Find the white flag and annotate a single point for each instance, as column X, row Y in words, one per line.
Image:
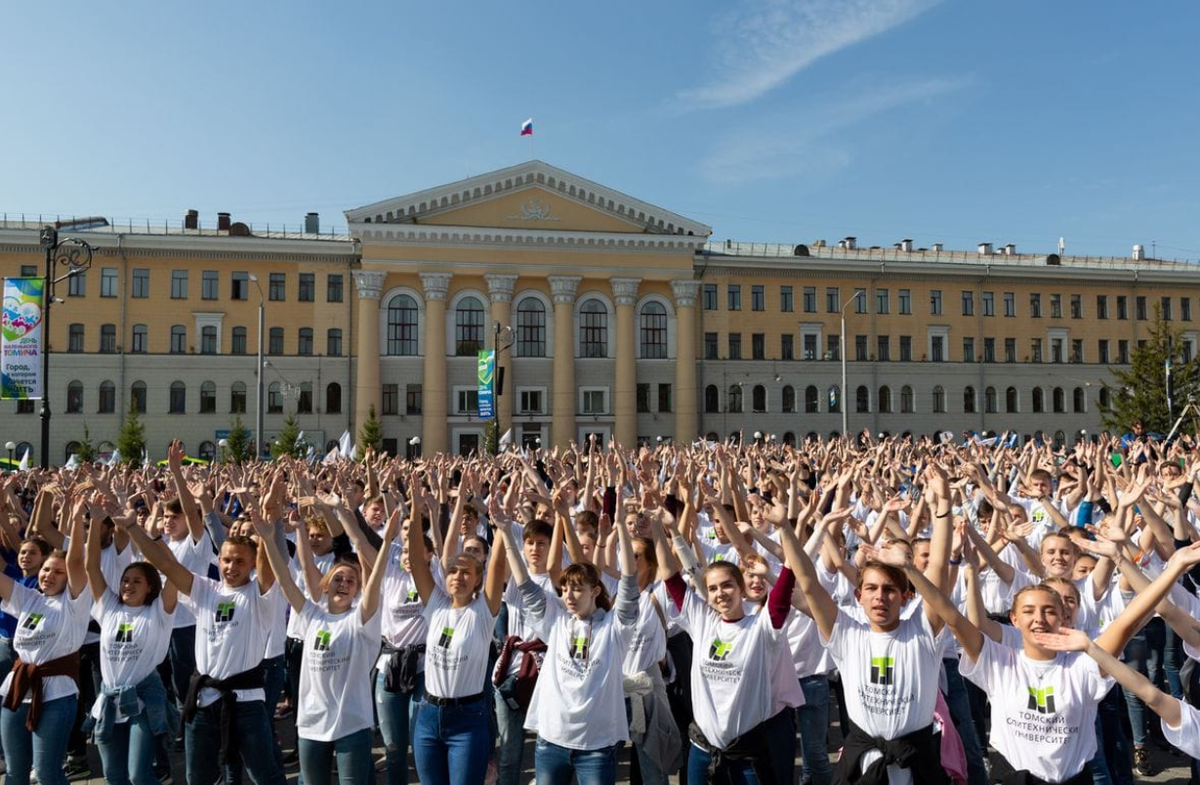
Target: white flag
column 145, row 458
column 506, row 439
column 115, row 458
column 24, row 464
column 344, row 445
column 73, row 462
column 331, row 456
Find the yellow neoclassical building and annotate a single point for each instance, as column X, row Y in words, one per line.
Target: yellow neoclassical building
column 614, row 317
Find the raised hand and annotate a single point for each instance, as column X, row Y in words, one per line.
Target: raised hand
column 1064, row 640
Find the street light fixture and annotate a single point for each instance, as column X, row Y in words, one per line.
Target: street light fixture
column 259, row 408
column 11, row 447
column 859, row 293
column 224, row 445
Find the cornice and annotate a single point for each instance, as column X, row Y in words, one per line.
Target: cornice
column 489, row 237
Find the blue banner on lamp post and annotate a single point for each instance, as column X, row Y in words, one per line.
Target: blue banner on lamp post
column 487, row 375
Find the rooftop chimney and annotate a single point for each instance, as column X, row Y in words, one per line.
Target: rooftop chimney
column 312, row 223
column 191, row 220
column 985, row 249
column 223, row 222
column 906, row 245
column 936, row 247
column 1139, row 253
column 1010, row 250
column 851, row 243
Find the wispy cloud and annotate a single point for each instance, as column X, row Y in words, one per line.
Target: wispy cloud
column 808, row 143
column 764, row 43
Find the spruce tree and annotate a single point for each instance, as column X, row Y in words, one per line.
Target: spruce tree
column 86, row 452
column 1140, row 391
column 238, row 444
column 370, row 435
column 131, row 441
column 285, row 442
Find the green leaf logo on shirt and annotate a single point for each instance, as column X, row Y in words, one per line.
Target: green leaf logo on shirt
column 882, row 669
column 719, row 650
column 447, row 636
column 125, row 632
column 225, row 612
column 411, row 596
column 32, row 621
column 321, row 643
column 1041, row 700
column 579, row 647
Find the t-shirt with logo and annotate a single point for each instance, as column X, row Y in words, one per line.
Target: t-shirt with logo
column 112, row 566
column 231, row 631
column 715, row 551
column 579, row 702
column 133, row 641
column 732, row 686
column 403, row 618
column 518, row 623
column 1043, row 711
column 47, row 628
column 457, row 646
column 335, row 674
column 196, row 556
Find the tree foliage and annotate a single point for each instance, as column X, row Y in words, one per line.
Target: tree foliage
column 131, row 441
column 288, row 441
column 238, row 444
column 86, row 451
column 370, row 435
column 1140, row 391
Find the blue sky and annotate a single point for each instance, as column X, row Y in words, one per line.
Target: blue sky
column 772, row 121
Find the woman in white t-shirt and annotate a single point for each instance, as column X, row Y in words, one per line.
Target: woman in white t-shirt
column 334, row 715
column 135, row 631
column 578, row 705
column 41, row 693
column 452, row 738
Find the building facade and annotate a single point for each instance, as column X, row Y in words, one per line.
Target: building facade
column 615, row 318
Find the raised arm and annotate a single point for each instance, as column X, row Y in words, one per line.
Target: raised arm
column 369, row 604
column 417, row 566
column 157, row 553
column 95, row 575
column 822, row 607
column 76, row 569
column 278, row 561
column 1138, row 612
column 195, row 522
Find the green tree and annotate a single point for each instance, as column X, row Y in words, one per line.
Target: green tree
column 491, row 437
column 131, row 441
column 86, row 452
column 370, row 435
column 238, row 444
column 287, row 442
column 1140, row 391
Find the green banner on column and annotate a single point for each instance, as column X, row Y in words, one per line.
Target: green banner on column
column 21, row 338
column 487, row 373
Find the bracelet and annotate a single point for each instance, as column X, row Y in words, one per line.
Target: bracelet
column 956, row 562
column 947, row 515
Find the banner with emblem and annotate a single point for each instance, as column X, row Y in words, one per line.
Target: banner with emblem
column 21, row 338
column 487, row 372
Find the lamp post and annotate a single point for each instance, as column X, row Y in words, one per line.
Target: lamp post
column 223, row 444
column 842, row 395
column 10, row 446
column 503, row 340
column 259, row 408
column 76, row 255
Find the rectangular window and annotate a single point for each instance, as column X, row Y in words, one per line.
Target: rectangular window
column 710, row 346
column 29, row 271
column 108, row 338
column 77, row 284
column 308, row 287
column 860, row 348
column 391, row 399
column 1056, row 306
column 710, row 297
column 595, row 401
column 735, row 346
column 1077, row 306
column 138, row 341
column 210, row 282
column 1010, row 304
column 413, row 399
column 277, row 287
column 141, row 283
column 1077, row 350
column 1164, row 306
column 1122, row 307
column 968, row 303
column 938, row 347
column 1035, row 306
column 833, row 348
column 1140, row 308
column 1102, row 306
column 179, row 281
column 1010, row 350
column 883, row 348
column 1056, row 350
column 787, row 349
column 531, row 402
column 968, row 350
column 240, row 286
column 466, row 400
column 882, row 301
column 758, row 346
column 333, row 288
column 786, row 303
column 860, row 300
column 905, row 348
column 906, row 302
column 239, row 341
column 333, row 342
column 989, row 303
column 1035, row 350
column 1185, row 308
column 810, row 299
column 664, row 397
column 935, row 302
column 758, row 298
column 275, row 340
column 108, row 282
column 643, row 398
column 1103, row 347
column 989, row 350
column 833, row 299
column 810, row 346
column 735, row 297
column 1123, row 352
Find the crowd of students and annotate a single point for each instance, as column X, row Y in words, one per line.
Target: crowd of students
column 977, row 612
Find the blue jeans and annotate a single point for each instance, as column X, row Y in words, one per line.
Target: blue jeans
column 1113, row 762
column 554, row 765
column 253, row 734
column 741, row 772
column 397, row 717
column 960, row 713
column 354, row 762
column 128, row 752
column 511, row 736
column 1139, row 655
column 813, row 719
column 451, row 743
column 45, row 749
column 182, row 654
column 780, row 731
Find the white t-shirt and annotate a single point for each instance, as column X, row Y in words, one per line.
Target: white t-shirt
column 649, row 644
column 1187, row 736
column 196, row 556
column 231, row 631
column 457, row 646
column 133, row 641
column 403, row 619
column 715, row 551
column 112, row 567
column 335, row 675
column 579, row 702
column 47, row 628
column 1043, row 711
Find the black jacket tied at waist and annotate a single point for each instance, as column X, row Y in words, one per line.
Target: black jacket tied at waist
column 246, row 680
column 751, row 746
column 917, row 751
column 401, row 671
column 1004, row 774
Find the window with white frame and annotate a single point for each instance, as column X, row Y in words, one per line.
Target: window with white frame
column 593, row 400
column 466, row 400
column 531, row 400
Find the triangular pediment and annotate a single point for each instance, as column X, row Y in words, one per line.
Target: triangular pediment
column 532, row 195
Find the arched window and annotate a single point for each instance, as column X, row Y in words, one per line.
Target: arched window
column 654, row 332
column 531, row 328
column 72, row 448
column 275, row 340
column 835, row 399
column 333, row 342
column 735, row 399
column 75, row 398
column 712, row 399
column 208, row 451
column 208, row 398
column 1060, row 400
column 178, row 339
column 885, row 400
column 238, row 344
column 758, row 398
column 711, row 437
column 304, row 344
column 969, row 400
column 208, row 339
column 862, row 400
column 237, row 398
column 274, row 398
column 593, row 329
column 1080, row 400
column 1060, row 439
column 990, row 404
column 906, row 400
column 137, row 396
column 23, row 449
column 1012, row 403
column 812, row 399
column 333, row 399
column 789, row 399
column 140, row 337
column 1105, row 398
column 108, row 338
column 402, row 326
column 305, row 404
column 468, row 327
column 108, row 398
column 178, row 400
column 1038, row 402
column 939, row 400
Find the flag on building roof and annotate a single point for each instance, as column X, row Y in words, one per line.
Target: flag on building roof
column 527, row 127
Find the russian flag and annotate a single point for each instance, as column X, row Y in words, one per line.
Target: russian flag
column 527, row 127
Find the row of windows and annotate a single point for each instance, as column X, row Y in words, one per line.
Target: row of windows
column 210, row 284
column 904, row 305
column 177, row 398
column 885, row 402
column 140, row 340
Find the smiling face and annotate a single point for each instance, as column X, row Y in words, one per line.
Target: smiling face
column 136, row 588
column 319, row 539
column 726, row 590
column 882, row 596
column 236, row 563
column 30, row 558
column 52, row 577
column 1058, row 556
column 1036, row 609
column 342, row 585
